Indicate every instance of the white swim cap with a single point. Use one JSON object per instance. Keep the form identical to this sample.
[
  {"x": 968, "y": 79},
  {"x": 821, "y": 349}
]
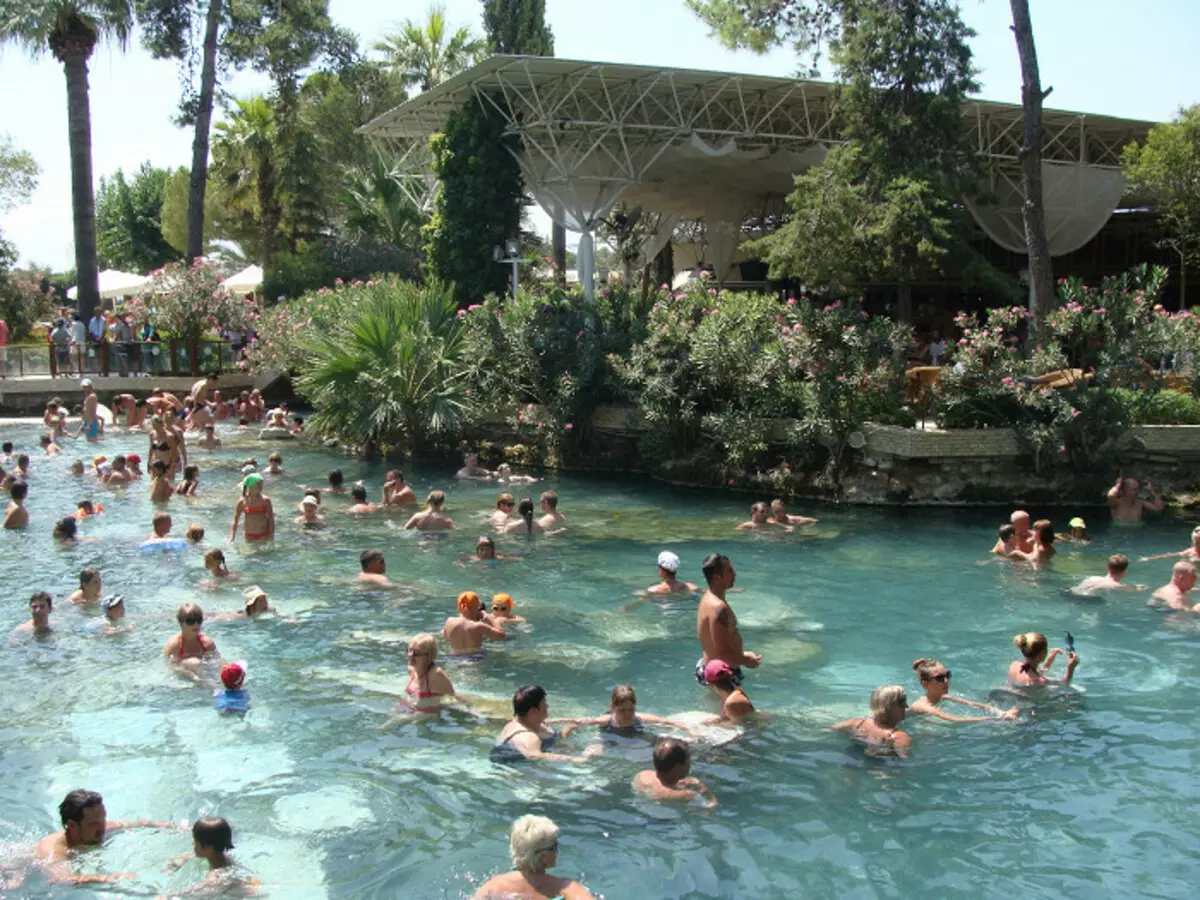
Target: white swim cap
[{"x": 669, "y": 561}]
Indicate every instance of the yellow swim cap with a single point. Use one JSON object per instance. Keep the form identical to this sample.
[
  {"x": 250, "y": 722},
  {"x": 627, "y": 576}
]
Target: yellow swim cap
[{"x": 466, "y": 600}]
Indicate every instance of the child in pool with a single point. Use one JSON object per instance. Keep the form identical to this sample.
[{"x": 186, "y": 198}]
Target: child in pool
[
  {"x": 1004, "y": 542},
  {"x": 502, "y": 609},
  {"x": 622, "y": 719},
  {"x": 232, "y": 697},
  {"x": 669, "y": 779},
  {"x": 212, "y": 839}
]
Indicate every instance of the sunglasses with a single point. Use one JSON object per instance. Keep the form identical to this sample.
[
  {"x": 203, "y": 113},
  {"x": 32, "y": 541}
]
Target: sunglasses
[
  {"x": 553, "y": 848},
  {"x": 943, "y": 678},
  {"x": 193, "y": 620},
  {"x": 418, "y": 652}
]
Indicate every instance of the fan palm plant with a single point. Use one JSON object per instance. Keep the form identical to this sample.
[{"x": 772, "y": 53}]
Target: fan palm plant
[
  {"x": 70, "y": 30},
  {"x": 376, "y": 208},
  {"x": 425, "y": 55},
  {"x": 245, "y": 161},
  {"x": 391, "y": 372}
]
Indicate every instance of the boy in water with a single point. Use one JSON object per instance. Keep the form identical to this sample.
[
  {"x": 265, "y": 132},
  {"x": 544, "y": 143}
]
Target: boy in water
[
  {"x": 1004, "y": 543},
  {"x": 212, "y": 839},
  {"x": 275, "y": 464},
  {"x": 17, "y": 516},
  {"x": 669, "y": 779},
  {"x": 232, "y": 697}
]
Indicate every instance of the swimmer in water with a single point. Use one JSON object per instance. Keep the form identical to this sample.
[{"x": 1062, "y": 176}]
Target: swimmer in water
[
  {"x": 275, "y": 464},
  {"x": 361, "y": 506},
  {"x": 524, "y": 523},
  {"x": 501, "y": 515},
  {"x": 527, "y": 736},
  {"x": 551, "y": 518},
  {"x": 194, "y": 533},
  {"x": 935, "y": 679},
  {"x": 16, "y": 516},
  {"x": 668, "y": 567},
  {"x": 191, "y": 481},
  {"x": 374, "y": 569},
  {"x": 89, "y": 590},
  {"x": 161, "y": 488},
  {"x": 309, "y": 518},
  {"x": 1118, "y": 566},
  {"x": 1124, "y": 498},
  {"x": 187, "y": 650},
  {"x": 780, "y": 516},
  {"x": 670, "y": 779},
  {"x": 504, "y": 475},
  {"x": 428, "y": 684},
  {"x": 1022, "y": 538},
  {"x": 759, "y": 520},
  {"x": 396, "y": 492},
  {"x": 1076, "y": 532},
  {"x": 1005, "y": 541},
  {"x": 214, "y": 562},
  {"x": 258, "y": 510},
  {"x": 502, "y": 610},
  {"x": 1192, "y": 553},
  {"x": 1177, "y": 594},
  {"x": 622, "y": 718},
  {"x": 1031, "y": 671},
  {"x": 735, "y": 705},
  {"x": 881, "y": 730},
  {"x": 472, "y": 470},
  {"x": 210, "y": 441},
  {"x": 432, "y": 519},
  {"x": 162, "y": 529},
  {"x": 485, "y": 552},
  {"x": 1043, "y": 545},
  {"x": 466, "y": 632},
  {"x": 40, "y": 605}
]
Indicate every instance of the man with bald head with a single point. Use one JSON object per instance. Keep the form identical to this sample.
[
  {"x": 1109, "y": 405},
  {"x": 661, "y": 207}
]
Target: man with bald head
[
  {"x": 1022, "y": 536},
  {"x": 1178, "y": 593},
  {"x": 1126, "y": 502}
]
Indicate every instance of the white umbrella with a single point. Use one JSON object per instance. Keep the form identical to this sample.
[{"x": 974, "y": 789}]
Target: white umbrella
[
  {"x": 245, "y": 281},
  {"x": 115, "y": 284}
]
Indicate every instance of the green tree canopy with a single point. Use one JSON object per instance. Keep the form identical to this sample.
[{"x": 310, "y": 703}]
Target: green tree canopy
[
  {"x": 424, "y": 54},
  {"x": 129, "y": 221},
  {"x": 18, "y": 174},
  {"x": 478, "y": 204},
  {"x": 517, "y": 27},
  {"x": 1167, "y": 169}
]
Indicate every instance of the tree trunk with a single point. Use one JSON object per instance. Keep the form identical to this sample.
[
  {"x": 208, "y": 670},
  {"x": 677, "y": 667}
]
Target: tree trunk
[
  {"x": 558, "y": 240},
  {"x": 904, "y": 307},
  {"x": 79, "y": 130},
  {"x": 1182, "y": 282},
  {"x": 199, "y": 178},
  {"x": 1041, "y": 267}
]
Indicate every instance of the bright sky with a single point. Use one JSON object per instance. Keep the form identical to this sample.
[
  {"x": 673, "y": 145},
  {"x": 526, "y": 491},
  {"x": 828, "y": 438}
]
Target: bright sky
[{"x": 1100, "y": 56}]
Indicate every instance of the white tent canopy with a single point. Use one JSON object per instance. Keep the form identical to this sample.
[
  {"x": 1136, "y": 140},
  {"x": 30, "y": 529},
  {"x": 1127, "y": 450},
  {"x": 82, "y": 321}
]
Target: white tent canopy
[
  {"x": 115, "y": 284},
  {"x": 245, "y": 281}
]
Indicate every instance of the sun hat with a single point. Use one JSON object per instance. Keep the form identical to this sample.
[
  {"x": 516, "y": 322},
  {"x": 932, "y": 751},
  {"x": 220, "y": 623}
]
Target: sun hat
[
  {"x": 310, "y": 500},
  {"x": 717, "y": 670},
  {"x": 86, "y": 383},
  {"x": 110, "y": 600},
  {"x": 669, "y": 561},
  {"x": 251, "y": 595},
  {"x": 233, "y": 674},
  {"x": 1077, "y": 523}
]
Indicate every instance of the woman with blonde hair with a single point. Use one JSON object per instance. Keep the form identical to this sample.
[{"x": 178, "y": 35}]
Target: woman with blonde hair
[
  {"x": 428, "y": 685},
  {"x": 533, "y": 846},
  {"x": 881, "y": 730},
  {"x": 935, "y": 679},
  {"x": 1038, "y": 659}
]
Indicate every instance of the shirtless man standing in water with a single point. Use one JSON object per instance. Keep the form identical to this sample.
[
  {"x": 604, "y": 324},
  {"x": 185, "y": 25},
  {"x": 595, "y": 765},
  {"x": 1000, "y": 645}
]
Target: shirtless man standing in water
[
  {"x": 1177, "y": 594},
  {"x": 1022, "y": 536},
  {"x": 716, "y": 623},
  {"x": 1126, "y": 505},
  {"x": 466, "y": 632}
]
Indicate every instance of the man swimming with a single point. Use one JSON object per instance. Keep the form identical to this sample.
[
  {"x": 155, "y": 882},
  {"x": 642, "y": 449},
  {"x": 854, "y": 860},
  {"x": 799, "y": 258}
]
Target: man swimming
[
  {"x": 1022, "y": 536},
  {"x": 432, "y": 519},
  {"x": 1118, "y": 567},
  {"x": 1126, "y": 502},
  {"x": 396, "y": 492},
  {"x": 1178, "y": 593},
  {"x": 210, "y": 441},
  {"x": 759, "y": 519},
  {"x": 472, "y": 470},
  {"x": 668, "y": 566},
  {"x": 716, "y": 623},
  {"x": 466, "y": 632},
  {"x": 361, "y": 506},
  {"x": 374, "y": 570}
]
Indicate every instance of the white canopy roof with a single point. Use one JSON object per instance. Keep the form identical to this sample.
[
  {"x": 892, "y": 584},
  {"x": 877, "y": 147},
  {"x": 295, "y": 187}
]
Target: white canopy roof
[
  {"x": 114, "y": 283},
  {"x": 245, "y": 281}
]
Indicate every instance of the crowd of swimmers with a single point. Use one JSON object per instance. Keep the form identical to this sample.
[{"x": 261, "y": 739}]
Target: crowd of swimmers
[{"x": 531, "y": 733}]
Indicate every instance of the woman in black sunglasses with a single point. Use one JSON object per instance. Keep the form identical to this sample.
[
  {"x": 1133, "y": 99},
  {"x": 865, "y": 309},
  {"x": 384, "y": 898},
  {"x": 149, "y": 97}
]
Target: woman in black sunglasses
[{"x": 935, "y": 679}]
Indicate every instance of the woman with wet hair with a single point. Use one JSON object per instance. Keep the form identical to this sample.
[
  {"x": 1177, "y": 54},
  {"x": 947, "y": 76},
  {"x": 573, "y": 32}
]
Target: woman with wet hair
[
  {"x": 533, "y": 846},
  {"x": 935, "y": 681},
  {"x": 881, "y": 730},
  {"x": 1038, "y": 658}
]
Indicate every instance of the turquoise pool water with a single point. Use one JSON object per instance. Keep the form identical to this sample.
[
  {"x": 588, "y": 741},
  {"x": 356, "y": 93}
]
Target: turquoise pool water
[{"x": 1089, "y": 794}]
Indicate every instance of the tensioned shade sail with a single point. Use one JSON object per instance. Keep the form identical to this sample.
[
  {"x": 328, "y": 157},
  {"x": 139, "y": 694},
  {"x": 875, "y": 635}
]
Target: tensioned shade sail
[
  {"x": 114, "y": 283},
  {"x": 245, "y": 281}
]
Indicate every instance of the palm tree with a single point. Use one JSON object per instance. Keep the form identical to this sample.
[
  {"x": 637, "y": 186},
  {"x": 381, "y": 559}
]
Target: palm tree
[
  {"x": 376, "y": 208},
  {"x": 70, "y": 30},
  {"x": 391, "y": 371},
  {"x": 422, "y": 55},
  {"x": 245, "y": 161}
]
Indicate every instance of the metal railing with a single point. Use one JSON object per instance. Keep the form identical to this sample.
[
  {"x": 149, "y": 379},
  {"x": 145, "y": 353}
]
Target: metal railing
[{"x": 132, "y": 359}]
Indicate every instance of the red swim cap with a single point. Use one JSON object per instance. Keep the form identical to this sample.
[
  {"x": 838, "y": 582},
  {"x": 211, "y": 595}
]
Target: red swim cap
[{"x": 232, "y": 676}]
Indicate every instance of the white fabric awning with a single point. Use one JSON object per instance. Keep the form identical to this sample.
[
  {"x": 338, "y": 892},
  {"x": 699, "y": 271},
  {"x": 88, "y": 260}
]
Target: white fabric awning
[
  {"x": 114, "y": 283},
  {"x": 245, "y": 281}
]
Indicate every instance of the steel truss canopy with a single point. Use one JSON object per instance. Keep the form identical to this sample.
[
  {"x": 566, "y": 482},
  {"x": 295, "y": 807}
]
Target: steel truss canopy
[{"x": 689, "y": 145}]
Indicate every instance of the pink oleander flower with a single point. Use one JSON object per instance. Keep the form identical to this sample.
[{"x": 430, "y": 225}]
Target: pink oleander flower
[{"x": 569, "y": 426}]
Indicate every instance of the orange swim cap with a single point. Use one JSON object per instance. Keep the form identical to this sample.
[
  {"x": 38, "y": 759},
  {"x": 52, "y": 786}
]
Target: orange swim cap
[
  {"x": 504, "y": 600},
  {"x": 466, "y": 599}
]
